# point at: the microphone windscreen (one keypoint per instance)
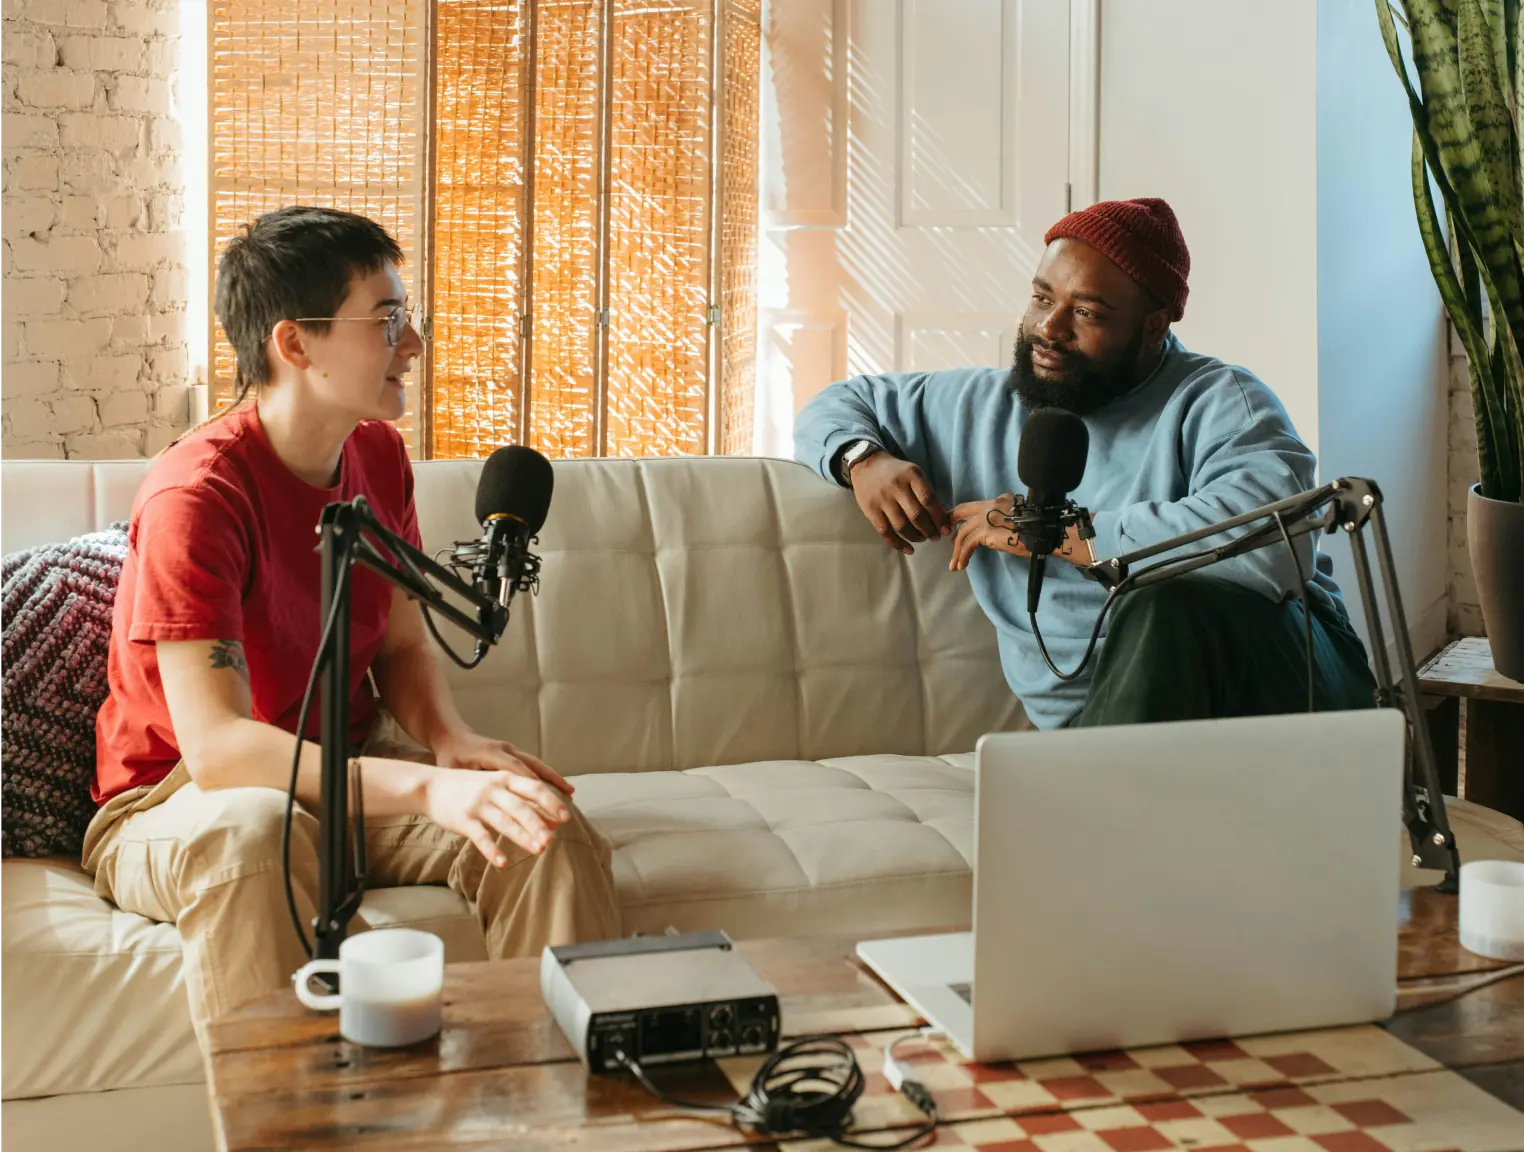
(1051, 458)
(515, 481)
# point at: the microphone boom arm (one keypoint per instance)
(418, 569)
(1349, 503)
(349, 533)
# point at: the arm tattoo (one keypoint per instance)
(229, 654)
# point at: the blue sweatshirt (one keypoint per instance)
(1195, 443)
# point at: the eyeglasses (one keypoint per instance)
(396, 322)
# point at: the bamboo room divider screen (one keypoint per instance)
(582, 232)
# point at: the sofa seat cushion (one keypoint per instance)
(94, 998)
(790, 848)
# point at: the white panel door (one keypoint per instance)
(913, 154)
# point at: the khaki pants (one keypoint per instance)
(210, 863)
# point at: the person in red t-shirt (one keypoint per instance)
(216, 626)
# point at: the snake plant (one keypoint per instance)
(1468, 56)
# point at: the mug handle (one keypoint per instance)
(322, 1001)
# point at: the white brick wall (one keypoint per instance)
(95, 358)
(1465, 614)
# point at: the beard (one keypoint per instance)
(1082, 386)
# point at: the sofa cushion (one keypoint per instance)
(788, 847)
(94, 998)
(57, 634)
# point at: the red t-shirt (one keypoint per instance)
(223, 546)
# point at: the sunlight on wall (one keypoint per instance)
(773, 428)
(190, 95)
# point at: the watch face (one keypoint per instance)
(852, 456)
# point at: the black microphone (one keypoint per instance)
(512, 500)
(1051, 463)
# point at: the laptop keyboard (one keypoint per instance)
(966, 991)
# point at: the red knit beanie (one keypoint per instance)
(1142, 238)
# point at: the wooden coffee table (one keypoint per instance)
(1440, 1074)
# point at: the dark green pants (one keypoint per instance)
(1198, 647)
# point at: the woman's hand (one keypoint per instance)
(480, 753)
(482, 805)
(980, 526)
(488, 787)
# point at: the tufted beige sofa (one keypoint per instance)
(769, 713)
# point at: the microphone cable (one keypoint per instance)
(1013, 523)
(1095, 635)
(476, 658)
(1127, 585)
(807, 1088)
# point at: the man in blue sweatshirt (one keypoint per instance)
(1178, 441)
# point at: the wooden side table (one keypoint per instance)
(1492, 726)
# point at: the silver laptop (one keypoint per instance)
(1150, 884)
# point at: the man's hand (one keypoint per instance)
(483, 754)
(980, 526)
(483, 805)
(898, 501)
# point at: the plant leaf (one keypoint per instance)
(1500, 370)
(1516, 27)
(1497, 37)
(1467, 323)
(1387, 19)
(1491, 122)
(1490, 385)
(1507, 434)
(1508, 426)
(1471, 279)
(1482, 220)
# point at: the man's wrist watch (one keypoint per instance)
(855, 452)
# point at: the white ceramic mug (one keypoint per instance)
(1492, 908)
(391, 982)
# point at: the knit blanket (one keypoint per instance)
(57, 631)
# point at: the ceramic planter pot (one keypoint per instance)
(1495, 540)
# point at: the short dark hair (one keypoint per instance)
(292, 262)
